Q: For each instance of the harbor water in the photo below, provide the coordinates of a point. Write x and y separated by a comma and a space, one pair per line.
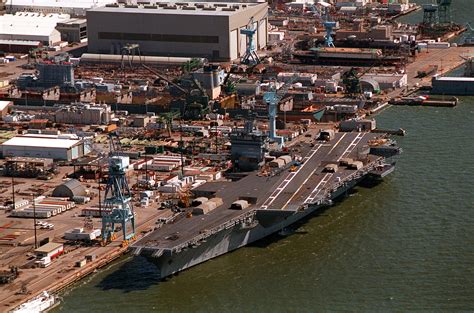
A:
404, 245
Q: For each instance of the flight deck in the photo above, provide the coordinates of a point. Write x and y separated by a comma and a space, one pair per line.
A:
284, 190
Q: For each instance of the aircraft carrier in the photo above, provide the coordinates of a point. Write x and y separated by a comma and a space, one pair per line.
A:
278, 200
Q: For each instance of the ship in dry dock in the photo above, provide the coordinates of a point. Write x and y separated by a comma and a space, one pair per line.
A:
346, 56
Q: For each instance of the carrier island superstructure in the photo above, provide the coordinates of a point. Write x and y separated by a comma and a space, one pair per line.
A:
252, 205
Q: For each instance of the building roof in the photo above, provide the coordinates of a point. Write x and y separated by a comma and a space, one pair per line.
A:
4, 104
27, 23
188, 8
20, 42
70, 188
456, 79
50, 246
74, 21
58, 3
41, 142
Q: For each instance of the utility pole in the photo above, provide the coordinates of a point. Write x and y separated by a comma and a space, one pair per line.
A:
181, 146
100, 177
13, 191
217, 150
34, 221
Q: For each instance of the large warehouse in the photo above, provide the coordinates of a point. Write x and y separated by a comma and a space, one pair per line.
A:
205, 29
31, 27
58, 147
72, 7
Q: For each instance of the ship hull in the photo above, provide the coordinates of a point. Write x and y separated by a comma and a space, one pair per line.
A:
231, 239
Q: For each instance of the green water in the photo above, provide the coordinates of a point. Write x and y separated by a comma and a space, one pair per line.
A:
405, 245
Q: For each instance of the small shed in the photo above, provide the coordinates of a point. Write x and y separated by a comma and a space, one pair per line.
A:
199, 201
217, 201
331, 168
69, 189
355, 165
239, 205
204, 208
51, 249
345, 161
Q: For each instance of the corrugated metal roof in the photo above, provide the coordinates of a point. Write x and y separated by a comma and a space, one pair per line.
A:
58, 3
211, 8
41, 142
27, 23
70, 188
20, 42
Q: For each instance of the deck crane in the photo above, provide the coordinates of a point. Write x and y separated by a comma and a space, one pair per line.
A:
272, 98
118, 197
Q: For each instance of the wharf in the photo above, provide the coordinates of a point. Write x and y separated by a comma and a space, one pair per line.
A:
446, 60
282, 194
414, 101
410, 10
63, 273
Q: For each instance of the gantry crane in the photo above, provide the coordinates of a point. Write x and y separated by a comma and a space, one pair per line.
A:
250, 56
328, 24
272, 98
118, 196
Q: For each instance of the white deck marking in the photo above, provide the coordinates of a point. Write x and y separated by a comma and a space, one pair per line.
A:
328, 176
289, 178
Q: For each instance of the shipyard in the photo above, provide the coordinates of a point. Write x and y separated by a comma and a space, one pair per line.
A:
178, 132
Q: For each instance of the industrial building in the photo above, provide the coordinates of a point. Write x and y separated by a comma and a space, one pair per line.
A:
70, 189
31, 27
459, 86
84, 114
4, 107
76, 8
73, 30
191, 29
50, 74
65, 147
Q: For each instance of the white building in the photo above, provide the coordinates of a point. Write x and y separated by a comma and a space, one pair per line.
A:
59, 147
72, 7
31, 27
